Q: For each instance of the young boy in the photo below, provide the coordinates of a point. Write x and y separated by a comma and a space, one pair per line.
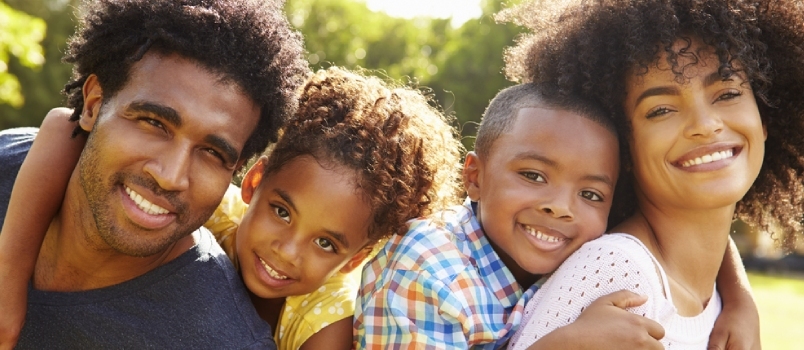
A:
537, 191
540, 184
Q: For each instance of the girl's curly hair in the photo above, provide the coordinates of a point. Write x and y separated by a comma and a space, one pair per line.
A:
589, 47
405, 152
247, 42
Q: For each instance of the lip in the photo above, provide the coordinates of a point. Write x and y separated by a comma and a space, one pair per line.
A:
266, 278
141, 218
705, 150
541, 244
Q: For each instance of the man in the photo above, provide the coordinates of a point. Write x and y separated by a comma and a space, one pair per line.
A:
174, 96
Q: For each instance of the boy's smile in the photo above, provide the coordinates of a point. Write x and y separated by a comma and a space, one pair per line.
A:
545, 189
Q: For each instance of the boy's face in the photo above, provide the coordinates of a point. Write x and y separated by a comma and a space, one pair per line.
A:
304, 223
545, 187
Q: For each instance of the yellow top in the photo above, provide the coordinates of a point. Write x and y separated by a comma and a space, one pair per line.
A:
303, 315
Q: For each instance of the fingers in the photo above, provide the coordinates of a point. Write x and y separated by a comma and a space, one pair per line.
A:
623, 299
654, 329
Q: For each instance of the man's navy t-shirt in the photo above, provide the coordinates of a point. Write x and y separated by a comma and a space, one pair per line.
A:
196, 301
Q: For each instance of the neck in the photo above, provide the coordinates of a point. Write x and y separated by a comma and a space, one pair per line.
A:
74, 257
689, 245
268, 309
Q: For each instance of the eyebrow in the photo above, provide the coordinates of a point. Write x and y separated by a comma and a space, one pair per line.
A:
600, 178
708, 81
538, 157
229, 152
168, 114
340, 237
535, 156
171, 116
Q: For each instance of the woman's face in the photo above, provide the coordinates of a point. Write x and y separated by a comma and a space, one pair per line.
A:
698, 144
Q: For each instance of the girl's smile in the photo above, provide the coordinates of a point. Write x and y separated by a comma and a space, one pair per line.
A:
306, 222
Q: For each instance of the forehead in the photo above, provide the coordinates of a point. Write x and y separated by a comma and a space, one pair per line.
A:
199, 96
327, 196
558, 134
690, 58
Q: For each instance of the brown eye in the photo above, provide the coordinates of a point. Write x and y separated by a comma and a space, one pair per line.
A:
592, 196
326, 244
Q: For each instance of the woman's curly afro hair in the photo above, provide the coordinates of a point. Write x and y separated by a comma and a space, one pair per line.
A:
248, 42
404, 151
588, 48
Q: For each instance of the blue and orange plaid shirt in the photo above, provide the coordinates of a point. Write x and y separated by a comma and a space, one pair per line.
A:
440, 286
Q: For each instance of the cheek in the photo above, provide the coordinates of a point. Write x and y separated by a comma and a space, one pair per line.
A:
595, 225
208, 185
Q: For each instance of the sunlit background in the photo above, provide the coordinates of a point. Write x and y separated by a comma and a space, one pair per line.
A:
451, 48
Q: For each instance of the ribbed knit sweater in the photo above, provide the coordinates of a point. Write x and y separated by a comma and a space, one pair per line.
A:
608, 264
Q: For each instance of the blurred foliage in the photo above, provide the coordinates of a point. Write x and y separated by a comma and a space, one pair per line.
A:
461, 67
40, 87
20, 35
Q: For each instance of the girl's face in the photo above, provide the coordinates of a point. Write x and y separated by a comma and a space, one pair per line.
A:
697, 144
304, 223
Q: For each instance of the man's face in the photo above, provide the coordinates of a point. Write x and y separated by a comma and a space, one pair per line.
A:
161, 152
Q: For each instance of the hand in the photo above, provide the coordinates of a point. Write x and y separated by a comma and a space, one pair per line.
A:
737, 328
13, 304
608, 325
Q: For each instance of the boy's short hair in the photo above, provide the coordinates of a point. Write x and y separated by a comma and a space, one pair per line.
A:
504, 107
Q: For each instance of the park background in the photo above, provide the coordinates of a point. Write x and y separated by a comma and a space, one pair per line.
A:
450, 48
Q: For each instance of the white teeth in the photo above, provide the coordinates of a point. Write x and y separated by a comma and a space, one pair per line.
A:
271, 271
708, 158
541, 236
144, 204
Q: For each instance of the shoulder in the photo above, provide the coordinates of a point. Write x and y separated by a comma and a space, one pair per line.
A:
610, 263
217, 289
225, 221
434, 246
305, 315
15, 143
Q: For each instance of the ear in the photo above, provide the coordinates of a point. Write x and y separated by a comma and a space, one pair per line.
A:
472, 176
765, 131
252, 179
93, 98
357, 259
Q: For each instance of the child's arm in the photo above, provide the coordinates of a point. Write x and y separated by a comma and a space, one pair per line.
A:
737, 327
605, 324
337, 336
36, 198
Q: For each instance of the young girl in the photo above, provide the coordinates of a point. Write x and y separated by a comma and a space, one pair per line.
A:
706, 93
357, 160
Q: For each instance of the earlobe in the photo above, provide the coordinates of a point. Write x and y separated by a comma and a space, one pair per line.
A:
356, 260
472, 176
93, 99
252, 179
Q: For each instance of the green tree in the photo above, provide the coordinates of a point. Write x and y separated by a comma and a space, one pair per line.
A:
20, 35
41, 87
461, 66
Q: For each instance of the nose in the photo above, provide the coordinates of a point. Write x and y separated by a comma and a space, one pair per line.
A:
170, 168
558, 204
703, 122
287, 247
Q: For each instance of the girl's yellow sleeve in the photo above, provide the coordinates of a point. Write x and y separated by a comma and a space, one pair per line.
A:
225, 221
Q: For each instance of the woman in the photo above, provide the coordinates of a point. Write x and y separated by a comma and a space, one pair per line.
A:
706, 93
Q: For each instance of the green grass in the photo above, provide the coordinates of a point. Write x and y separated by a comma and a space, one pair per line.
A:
781, 310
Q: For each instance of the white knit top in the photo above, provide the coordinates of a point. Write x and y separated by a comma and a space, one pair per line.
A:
608, 264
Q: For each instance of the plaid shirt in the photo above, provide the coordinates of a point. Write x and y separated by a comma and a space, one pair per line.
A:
440, 286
